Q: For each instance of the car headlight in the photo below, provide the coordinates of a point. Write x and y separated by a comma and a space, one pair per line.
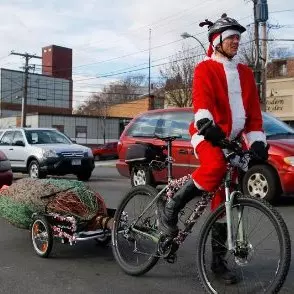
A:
90, 153
50, 153
289, 160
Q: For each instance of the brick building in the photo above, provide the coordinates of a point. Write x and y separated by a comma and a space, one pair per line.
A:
49, 92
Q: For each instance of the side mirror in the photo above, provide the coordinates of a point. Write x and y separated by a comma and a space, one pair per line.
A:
74, 141
19, 143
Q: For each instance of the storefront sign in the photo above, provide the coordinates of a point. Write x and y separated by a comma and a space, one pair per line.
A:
279, 104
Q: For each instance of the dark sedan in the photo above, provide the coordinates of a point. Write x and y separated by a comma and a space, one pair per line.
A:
6, 175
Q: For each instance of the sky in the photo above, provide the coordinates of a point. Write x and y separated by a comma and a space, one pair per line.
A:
112, 36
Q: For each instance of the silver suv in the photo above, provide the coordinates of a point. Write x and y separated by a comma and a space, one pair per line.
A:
43, 151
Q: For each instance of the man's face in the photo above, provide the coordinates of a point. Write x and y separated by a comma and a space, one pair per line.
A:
230, 45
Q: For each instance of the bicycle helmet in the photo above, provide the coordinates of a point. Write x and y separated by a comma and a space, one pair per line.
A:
221, 25
216, 32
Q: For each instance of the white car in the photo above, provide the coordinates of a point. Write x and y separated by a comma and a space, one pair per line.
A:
43, 151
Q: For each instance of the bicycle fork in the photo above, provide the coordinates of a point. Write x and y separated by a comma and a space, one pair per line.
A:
240, 229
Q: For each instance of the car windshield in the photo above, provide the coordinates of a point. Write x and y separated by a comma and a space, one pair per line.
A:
46, 137
274, 127
173, 123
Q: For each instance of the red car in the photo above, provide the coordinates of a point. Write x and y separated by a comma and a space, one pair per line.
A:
268, 180
6, 175
108, 150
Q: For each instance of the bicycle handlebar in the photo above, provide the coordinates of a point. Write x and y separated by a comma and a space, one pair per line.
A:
230, 145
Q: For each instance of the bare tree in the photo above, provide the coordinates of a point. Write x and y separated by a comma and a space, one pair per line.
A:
117, 92
90, 106
177, 77
247, 49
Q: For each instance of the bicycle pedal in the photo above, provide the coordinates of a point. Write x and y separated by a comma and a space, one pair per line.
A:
171, 258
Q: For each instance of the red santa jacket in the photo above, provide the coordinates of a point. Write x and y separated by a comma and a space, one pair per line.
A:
224, 91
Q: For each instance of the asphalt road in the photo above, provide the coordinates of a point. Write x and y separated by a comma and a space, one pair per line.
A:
88, 268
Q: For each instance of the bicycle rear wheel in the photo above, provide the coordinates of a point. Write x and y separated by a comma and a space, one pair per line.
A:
261, 261
135, 246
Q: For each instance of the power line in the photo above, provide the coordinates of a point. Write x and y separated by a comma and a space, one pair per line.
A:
127, 55
27, 57
280, 11
150, 25
118, 72
123, 56
123, 71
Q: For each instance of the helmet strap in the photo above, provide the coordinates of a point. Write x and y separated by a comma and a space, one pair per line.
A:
222, 52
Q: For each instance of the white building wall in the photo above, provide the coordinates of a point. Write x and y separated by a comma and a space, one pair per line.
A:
32, 121
14, 121
69, 122
7, 122
84, 130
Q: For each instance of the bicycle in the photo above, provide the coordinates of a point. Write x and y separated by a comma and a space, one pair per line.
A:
138, 245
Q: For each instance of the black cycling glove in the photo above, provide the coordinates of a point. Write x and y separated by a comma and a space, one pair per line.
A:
213, 133
260, 149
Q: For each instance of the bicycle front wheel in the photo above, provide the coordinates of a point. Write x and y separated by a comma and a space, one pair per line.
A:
134, 239
261, 252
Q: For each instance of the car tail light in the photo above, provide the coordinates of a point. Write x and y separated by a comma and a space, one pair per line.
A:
119, 146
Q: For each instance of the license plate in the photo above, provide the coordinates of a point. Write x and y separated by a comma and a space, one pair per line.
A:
76, 162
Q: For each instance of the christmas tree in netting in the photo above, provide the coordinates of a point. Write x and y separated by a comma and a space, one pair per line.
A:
63, 197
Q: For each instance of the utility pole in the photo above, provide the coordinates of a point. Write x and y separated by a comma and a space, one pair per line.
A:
264, 63
27, 57
257, 70
149, 75
261, 16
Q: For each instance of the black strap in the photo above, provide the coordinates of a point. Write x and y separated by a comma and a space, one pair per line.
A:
222, 51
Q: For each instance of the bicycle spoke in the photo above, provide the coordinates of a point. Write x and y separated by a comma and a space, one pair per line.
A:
256, 255
136, 242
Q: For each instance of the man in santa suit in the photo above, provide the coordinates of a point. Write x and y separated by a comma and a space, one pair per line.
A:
225, 93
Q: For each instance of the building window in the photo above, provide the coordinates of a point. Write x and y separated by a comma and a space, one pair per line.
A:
282, 70
60, 128
81, 132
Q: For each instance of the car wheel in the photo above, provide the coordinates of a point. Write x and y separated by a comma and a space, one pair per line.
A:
141, 175
34, 170
97, 157
262, 181
84, 176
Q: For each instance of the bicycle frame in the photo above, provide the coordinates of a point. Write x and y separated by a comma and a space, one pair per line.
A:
156, 239
198, 210
138, 242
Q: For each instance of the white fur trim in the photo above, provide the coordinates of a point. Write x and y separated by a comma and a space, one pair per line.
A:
202, 113
235, 98
222, 59
196, 140
256, 136
225, 35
